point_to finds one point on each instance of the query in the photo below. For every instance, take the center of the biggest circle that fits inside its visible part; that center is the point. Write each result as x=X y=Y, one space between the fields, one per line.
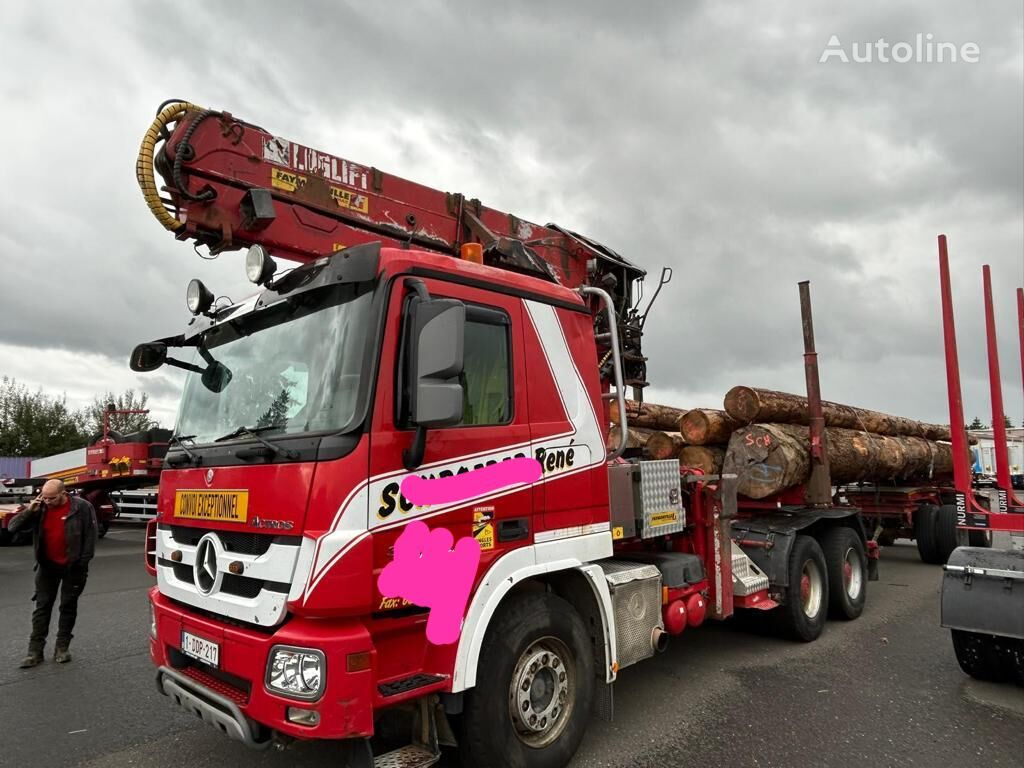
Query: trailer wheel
x=924 y=534
x=802 y=617
x=534 y=686
x=847 y=572
x=977 y=655
x=947 y=536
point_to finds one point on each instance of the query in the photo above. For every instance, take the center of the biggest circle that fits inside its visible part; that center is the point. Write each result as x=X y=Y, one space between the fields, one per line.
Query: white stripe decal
x=354 y=518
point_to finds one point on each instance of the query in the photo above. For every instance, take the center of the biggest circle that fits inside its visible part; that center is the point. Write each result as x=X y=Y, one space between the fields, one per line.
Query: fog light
x=236 y=567
x=298 y=673
x=176 y=556
x=303 y=716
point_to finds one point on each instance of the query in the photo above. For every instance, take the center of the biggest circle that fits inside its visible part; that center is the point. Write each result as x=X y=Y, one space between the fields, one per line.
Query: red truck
x=424 y=334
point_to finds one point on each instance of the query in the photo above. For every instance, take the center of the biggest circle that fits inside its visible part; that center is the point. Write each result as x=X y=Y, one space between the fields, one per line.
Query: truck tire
x=534 y=687
x=847 y=572
x=947 y=536
x=802 y=616
x=924 y=534
x=977 y=655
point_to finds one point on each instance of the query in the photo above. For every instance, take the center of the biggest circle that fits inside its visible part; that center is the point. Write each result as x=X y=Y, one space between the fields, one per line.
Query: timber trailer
x=982 y=588
x=423 y=334
x=109 y=462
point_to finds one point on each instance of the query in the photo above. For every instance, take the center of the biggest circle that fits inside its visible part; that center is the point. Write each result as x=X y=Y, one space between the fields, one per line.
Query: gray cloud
x=704 y=136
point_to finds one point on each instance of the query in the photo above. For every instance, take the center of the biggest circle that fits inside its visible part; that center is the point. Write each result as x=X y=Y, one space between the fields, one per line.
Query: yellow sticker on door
x=483 y=527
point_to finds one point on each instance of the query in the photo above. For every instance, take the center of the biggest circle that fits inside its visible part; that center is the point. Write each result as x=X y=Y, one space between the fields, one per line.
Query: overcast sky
x=703 y=136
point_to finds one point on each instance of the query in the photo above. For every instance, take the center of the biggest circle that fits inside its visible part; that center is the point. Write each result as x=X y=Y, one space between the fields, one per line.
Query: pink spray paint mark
x=428 y=571
x=424 y=491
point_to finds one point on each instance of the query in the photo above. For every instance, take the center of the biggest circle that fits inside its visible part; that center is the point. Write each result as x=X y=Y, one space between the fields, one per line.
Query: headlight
x=198 y=297
x=152 y=620
x=298 y=673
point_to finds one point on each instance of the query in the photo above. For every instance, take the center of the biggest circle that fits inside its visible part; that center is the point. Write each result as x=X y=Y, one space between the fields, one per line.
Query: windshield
x=294 y=368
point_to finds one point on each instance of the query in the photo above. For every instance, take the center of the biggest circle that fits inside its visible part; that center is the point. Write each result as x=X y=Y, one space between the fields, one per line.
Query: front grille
x=240 y=542
x=232 y=584
x=213 y=616
x=241 y=586
x=183 y=572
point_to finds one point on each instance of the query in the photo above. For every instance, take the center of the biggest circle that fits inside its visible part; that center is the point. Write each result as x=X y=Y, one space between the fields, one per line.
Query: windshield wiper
x=254 y=433
x=178 y=440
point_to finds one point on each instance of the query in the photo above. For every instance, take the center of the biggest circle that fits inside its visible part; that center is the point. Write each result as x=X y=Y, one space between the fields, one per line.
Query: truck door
x=495 y=425
x=568 y=421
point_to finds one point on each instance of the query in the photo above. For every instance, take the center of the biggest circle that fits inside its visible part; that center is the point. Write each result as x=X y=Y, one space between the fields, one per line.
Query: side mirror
x=216 y=377
x=436 y=358
x=148 y=357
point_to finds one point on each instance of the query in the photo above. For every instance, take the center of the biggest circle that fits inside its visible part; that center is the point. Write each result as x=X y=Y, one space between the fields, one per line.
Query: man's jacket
x=79 y=530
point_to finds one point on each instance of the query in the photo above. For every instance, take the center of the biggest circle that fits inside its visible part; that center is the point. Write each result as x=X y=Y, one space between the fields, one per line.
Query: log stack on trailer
x=896 y=469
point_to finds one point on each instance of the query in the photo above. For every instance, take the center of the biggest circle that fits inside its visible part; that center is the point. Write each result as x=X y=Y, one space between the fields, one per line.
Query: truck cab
x=280 y=504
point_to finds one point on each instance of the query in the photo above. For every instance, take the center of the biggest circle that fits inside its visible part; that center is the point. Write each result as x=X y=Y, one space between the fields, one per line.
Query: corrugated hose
x=144 y=171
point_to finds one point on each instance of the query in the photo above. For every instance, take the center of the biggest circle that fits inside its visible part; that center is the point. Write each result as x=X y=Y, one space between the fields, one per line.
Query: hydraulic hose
x=144 y=171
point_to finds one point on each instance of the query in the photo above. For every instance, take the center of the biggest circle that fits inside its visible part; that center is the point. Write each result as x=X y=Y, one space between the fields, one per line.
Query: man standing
x=64 y=536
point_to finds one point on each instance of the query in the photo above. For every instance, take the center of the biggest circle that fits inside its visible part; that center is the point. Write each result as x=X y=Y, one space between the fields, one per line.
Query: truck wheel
x=977 y=655
x=924 y=534
x=802 y=617
x=534 y=686
x=947 y=536
x=847 y=572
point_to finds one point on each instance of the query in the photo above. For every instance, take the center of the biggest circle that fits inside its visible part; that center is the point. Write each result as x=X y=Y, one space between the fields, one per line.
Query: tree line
x=35 y=424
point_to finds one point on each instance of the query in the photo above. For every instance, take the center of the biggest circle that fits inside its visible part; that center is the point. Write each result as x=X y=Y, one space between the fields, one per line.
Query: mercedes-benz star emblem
x=207 y=575
x=209 y=478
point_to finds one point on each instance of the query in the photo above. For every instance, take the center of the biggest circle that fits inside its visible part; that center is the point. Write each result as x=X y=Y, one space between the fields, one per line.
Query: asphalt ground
x=884 y=690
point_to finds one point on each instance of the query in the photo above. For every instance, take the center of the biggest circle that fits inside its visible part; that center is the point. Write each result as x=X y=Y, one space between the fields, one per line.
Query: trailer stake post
x=819 y=486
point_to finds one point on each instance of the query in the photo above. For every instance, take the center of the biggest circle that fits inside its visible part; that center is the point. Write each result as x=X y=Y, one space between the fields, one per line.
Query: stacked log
x=648 y=415
x=769 y=458
x=636 y=438
x=706 y=426
x=749 y=405
x=707 y=458
x=664 y=445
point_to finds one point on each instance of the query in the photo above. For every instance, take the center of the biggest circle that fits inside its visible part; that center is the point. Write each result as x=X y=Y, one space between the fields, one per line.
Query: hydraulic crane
x=228 y=184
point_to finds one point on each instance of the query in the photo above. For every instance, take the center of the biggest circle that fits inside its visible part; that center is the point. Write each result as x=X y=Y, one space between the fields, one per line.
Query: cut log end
x=742 y=404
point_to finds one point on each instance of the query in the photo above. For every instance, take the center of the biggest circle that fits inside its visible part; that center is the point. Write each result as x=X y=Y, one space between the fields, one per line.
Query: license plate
x=200 y=648
x=218 y=506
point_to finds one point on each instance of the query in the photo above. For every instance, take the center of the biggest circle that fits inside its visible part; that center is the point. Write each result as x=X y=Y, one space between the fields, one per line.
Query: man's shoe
x=33 y=659
x=62 y=655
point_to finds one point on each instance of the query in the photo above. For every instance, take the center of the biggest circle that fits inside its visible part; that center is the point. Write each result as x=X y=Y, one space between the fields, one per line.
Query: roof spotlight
x=259 y=267
x=198 y=298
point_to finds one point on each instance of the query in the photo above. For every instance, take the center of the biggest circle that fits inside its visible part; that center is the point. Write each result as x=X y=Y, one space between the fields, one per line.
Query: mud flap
x=983 y=592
